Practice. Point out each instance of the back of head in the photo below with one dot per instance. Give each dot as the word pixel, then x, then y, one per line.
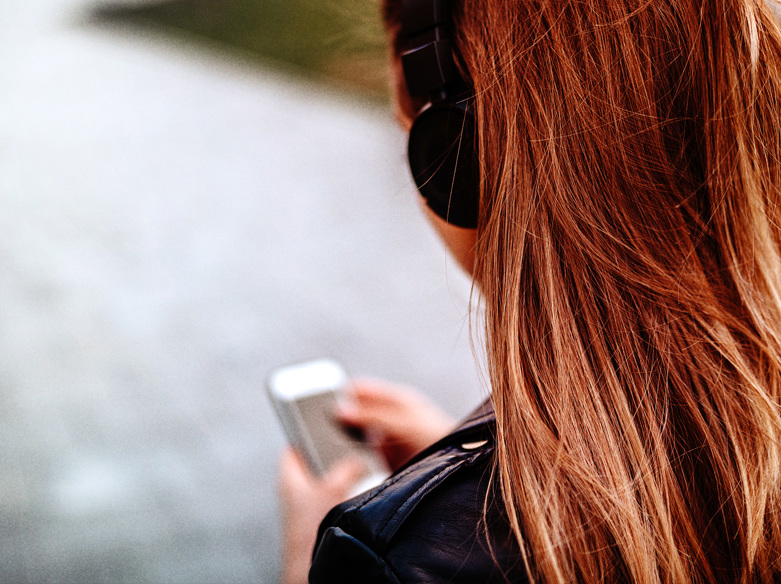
pixel 628 259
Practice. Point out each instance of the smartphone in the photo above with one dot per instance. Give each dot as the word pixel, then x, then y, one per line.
pixel 306 396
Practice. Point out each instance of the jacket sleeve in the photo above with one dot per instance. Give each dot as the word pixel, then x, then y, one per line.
pixel 342 558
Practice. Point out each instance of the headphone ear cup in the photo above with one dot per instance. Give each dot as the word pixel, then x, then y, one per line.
pixel 443 160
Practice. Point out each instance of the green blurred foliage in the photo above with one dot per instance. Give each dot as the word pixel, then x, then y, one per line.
pixel 340 41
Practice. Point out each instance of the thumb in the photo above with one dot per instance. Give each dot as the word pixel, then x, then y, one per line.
pixel 292 471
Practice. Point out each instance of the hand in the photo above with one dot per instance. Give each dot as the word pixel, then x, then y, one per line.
pixel 305 500
pixel 400 420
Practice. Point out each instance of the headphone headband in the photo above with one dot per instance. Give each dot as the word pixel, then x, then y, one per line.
pixel 418 15
pixel 428 59
pixel 442 140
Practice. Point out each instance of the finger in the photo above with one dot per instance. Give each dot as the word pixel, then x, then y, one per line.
pixel 376 392
pixel 390 397
pixel 377 399
pixel 368 418
pixel 344 474
pixel 373 403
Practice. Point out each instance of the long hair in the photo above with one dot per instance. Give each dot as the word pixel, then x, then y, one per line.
pixel 628 260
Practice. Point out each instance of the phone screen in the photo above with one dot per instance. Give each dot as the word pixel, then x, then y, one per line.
pixel 329 440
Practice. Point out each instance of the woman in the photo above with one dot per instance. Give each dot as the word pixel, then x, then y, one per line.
pixel 627 257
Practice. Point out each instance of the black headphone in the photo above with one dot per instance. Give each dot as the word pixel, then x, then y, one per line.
pixel 442 149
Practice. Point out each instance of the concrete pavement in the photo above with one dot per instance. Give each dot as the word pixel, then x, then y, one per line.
pixel 173 224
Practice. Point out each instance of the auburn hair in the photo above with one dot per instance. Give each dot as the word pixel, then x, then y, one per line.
pixel 628 262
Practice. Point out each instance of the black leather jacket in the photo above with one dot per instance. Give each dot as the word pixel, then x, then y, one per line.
pixel 426 523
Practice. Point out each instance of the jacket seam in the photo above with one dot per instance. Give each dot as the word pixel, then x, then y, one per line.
pixel 411 502
pixel 402 509
pixel 348 515
pixel 386 485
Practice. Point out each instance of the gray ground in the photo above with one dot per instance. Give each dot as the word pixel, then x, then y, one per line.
pixel 173 224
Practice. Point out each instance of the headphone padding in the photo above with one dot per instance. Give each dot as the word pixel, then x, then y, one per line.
pixel 443 161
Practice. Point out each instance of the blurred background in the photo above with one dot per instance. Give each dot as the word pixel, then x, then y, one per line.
pixel 192 193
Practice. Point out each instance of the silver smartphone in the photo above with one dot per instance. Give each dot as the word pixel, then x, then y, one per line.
pixel 306 396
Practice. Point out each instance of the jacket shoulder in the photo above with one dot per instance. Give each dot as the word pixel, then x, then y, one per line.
pixel 435 520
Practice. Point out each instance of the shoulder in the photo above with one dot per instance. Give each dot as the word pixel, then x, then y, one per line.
pixel 435 520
